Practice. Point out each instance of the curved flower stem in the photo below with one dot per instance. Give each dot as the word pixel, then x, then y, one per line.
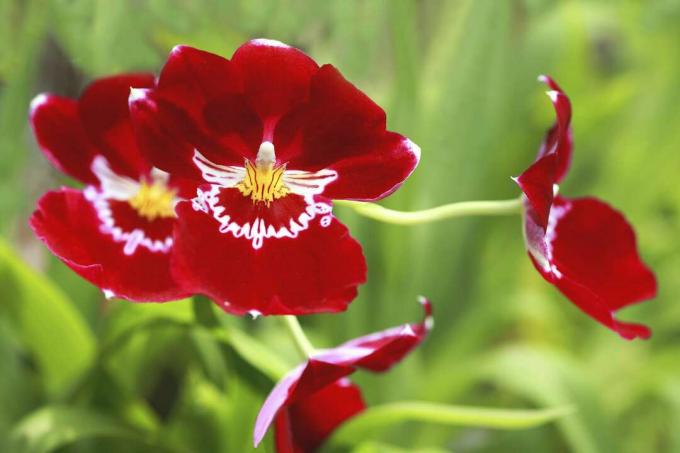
pixel 462 209
pixel 300 340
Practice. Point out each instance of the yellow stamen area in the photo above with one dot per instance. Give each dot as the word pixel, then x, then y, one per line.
pixel 263 182
pixel 154 201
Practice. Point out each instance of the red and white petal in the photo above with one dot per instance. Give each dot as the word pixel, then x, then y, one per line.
pixel 75 230
pixel 553 160
pixel 225 130
pixel 341 129
pixel 209 90
pixel 277 264
pixel 61 136
pixel 591 257
pixel 299 384
pixel 558 140
pixel 380 351
pixel 104 113
pixel 323 372
pixel 538 185
pixel 304 425
pixel 276 77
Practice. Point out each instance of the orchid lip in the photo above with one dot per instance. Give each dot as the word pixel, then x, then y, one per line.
pixel 150 201
pixel 263 182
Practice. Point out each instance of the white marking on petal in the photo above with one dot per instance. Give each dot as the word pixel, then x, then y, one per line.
pixel 255 314
pixel 131 239
pixel 257 230
pixel 269 43
pixel 108 294
pixel 415 149
pixel 38 101
pixel 137 94
pixel 113 186
pixel 553 95
pixel 221 175
pixel 306 183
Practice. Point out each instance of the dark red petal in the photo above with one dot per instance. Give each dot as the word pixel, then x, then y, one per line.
pixel 157 135
pixel 339 127
pixel 68 224
pixel 318 271
pixel 553 160
pixel 191 77
pixel 276 77
pixel 537 183
pixel 103 109
pixel 61 136
pixel 375 352
pixel 558 139
pixel 306 424
pixel 592 258
pixel 381 350
pixel 225 131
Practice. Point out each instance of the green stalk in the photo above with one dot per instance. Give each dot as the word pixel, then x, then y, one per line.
pixel 447 211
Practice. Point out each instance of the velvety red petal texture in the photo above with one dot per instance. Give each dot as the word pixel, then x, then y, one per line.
pixel 68 224
pixel 61 136
pixel 583 247
pixel 103 110
pixel 270 92
pixel 304 425
pixel 317 271
pixel 323 373
pixel 341 128
pixel 276 77
pixel 553 160
pixel 71 133
pixel 590 255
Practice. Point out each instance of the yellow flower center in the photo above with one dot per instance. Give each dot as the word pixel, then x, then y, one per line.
pixel 263 181
pixel 154 201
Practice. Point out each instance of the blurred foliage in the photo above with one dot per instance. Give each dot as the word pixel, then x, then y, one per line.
pixel 80 374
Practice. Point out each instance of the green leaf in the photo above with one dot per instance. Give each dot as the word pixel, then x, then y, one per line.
pixel 53 427
pixel 374 419
pixel 47 323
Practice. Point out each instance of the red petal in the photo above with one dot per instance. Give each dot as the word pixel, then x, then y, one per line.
pixel 276 77
pixel 306 424
pixel 300 388
pixel 537 183
pixel 68 224
pixel 553 160
pixel 199 104
pixel 61 136
pixel 318 271
pixel 591 257
pixel 103 109
pixel 558 139
pixel 381 350
pixel 341 128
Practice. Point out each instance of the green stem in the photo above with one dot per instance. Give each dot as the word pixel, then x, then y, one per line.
pixel 300 340
pixel 462 209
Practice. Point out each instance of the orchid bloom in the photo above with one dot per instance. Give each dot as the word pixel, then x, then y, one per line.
pixel 583 246
pixel 117 232
pixel 270 138
pixel 316 397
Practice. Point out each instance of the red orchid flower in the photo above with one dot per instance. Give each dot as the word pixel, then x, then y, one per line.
pixel 309 403
pixel 583 246
pixel 117 231
pixel 271 138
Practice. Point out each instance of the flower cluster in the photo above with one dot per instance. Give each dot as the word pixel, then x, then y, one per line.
pixel 218 178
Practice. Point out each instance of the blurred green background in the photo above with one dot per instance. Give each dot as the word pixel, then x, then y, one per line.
pixel 79 374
